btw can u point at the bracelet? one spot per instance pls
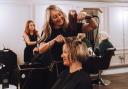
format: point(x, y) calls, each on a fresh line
point(55, 41)
point(38, 50)
point(49, 44)
point(36, 42)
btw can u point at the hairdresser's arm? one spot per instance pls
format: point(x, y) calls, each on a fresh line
point(91, 23)
point(45, 46)
point(27, 40)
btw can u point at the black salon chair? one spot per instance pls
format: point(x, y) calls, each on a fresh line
point(96, 64)
point(92, 67)
point(104, 64)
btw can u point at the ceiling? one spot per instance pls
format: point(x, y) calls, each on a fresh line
point(122, 1)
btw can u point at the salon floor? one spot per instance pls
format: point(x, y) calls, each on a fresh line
point(118, 81)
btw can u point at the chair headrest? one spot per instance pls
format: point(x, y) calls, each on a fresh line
point(111, 49)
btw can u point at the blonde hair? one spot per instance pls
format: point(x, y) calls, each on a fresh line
point(103, 35)
point(47, 29)
point(77, 49)
point(81, 36)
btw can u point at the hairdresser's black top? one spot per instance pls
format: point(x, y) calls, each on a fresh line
point(28, 51)
point(56, 50)
point(54, 53)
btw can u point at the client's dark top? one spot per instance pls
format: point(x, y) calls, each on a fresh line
point(76, 80)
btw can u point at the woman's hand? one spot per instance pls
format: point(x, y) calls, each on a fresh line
point(59, 39)
point(45, 46)
point(82, 15)
point(72, 12)
point(35, 50)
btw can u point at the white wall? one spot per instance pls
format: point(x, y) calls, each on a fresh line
point(13, 16)
point(118, 30)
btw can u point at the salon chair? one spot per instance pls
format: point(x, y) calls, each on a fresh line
point(92, 65)
point(96, 64)
point(104, 64)
point(8, 65)
point(92, 68)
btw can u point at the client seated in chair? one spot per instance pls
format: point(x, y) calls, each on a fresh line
point(104, 43)
point(105, 52)
point(74, 55)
